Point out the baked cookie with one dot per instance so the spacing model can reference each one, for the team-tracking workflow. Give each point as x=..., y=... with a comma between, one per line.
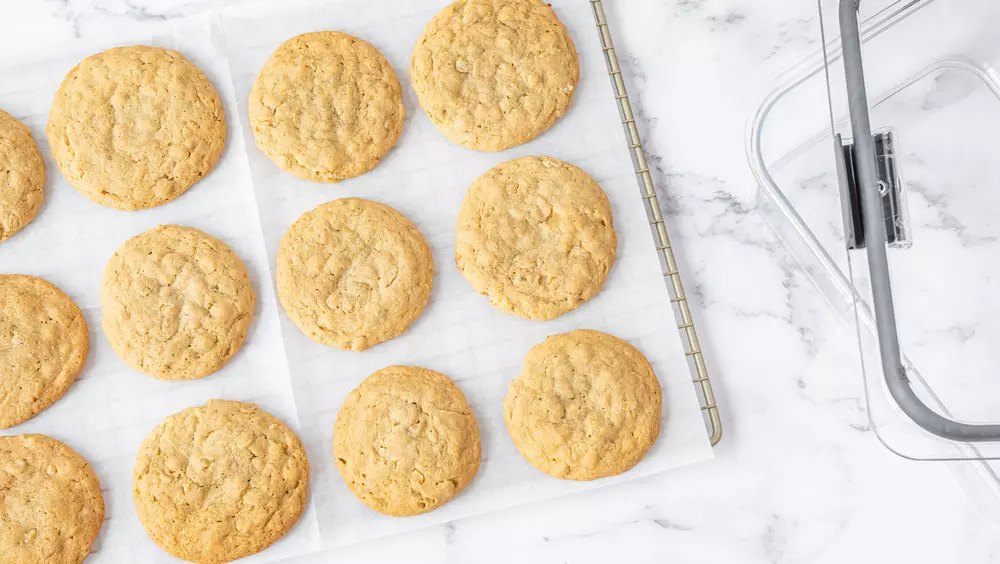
x=43, y=346
x=406, y=441
x=353, y=273
x=52, y=506
x=134, y=127
x=220, y=481
x=536, y=235
x=493, y=74
x=586, y=406
x=176, y=303
x=327, y=106
x=22, y=176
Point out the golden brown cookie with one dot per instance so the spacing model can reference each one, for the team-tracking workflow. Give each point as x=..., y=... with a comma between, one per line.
x=176, y=303
x=220, y=481
x=586, y=406
x=22, y=176
x=353, y=273
x=493, y=74
x=52, y=506
x=536, y=235
x=327, y=106
x=43, y=346
x=406, y=441
x=134, y=127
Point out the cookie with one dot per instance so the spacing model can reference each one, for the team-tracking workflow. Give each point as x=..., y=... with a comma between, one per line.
x=176, y=303
x=52, y=506
x=43, y=346
x=220, y=481
x=586, y=406
x=326, y=106
x=493, y=74
x=22, y=176
x=134, y=127
x=406, y=441
x=353, y=273
x=536, y=235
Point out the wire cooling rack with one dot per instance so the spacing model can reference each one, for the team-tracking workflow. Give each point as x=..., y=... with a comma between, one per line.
x=682, y=311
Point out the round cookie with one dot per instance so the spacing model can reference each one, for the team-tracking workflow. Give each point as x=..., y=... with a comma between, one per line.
x=586, y=406
x=22, y=176
x=353, y=273
x=134, y=127
x=52, y=506
x=406, y=441
x=43, y=346
x=536, y=235
x=327, y=106
x=493, y=74
x=218, y=482
x=176, y=303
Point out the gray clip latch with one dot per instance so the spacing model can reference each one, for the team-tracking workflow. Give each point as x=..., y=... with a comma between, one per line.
x=890, y=186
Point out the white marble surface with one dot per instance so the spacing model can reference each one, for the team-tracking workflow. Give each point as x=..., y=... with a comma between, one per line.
x=798, y=477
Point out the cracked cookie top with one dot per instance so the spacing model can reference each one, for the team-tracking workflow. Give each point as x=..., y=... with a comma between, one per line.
x=493, y=74
x=327, y=106
x=52, y=505
x=220, y=481
x=587, y=405
x=406, y=441
x=22, y=176
x=176, y=303
x=43, y=346
x=353, y=273
x=536, y=235
x=134, y=127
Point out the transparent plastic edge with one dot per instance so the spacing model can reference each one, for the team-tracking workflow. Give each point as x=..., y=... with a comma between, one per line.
x=789, y=227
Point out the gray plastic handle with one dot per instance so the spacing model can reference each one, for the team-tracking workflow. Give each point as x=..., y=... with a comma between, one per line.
x=871, y=206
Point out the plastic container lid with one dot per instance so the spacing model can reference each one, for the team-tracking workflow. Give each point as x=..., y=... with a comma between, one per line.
x=917, y=276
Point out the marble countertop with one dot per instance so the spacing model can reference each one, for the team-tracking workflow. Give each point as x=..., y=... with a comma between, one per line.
x=799, y=475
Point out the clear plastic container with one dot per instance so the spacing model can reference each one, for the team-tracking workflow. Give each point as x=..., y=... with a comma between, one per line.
x=933, y=98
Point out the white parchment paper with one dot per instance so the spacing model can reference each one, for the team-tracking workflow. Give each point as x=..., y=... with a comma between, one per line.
x=460, y=334
x=248, y=203
x=108, y=412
